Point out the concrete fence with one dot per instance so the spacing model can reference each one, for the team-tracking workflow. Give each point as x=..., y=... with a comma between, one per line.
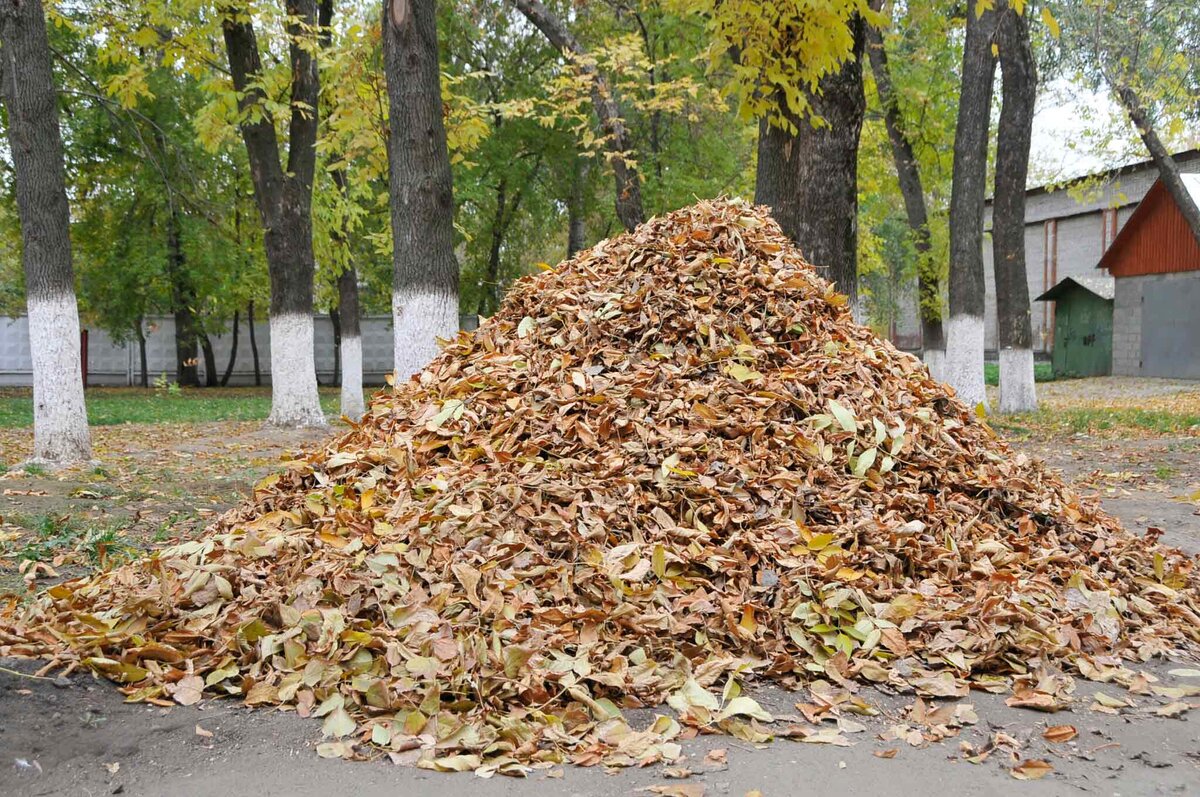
x=112, y=363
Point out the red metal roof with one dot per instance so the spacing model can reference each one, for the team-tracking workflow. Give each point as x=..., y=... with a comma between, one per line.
x=1156, y=239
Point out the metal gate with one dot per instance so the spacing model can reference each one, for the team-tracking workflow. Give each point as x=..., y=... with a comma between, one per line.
x=1171, y=328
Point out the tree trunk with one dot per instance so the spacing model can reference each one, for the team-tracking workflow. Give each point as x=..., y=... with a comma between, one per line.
x=1018, y=90
x=284, y=200
x=346, y=324
x=352, y=404
x=60, y=430
x=506, y=211
x=929, y=294
x=253, y=343
x=141, y=336
x=965, y=332
x=183, y=299
x=576, y=232
x=210, y=361
x=489, y=290
x=1168, y=169
x=335, y=320
x=233, y=346
x=425, y=272
x=810, y=178
x=620, y=144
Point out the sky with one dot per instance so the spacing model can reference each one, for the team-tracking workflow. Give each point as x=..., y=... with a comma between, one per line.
x=1077, y=131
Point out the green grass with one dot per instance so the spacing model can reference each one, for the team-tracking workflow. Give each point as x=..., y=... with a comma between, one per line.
x=1092, y=421
x=1042, y=372
x=112, y=406
x=55, y=535
x=1164, y=472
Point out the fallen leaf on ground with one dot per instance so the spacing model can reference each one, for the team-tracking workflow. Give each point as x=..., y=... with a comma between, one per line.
x=1060, y=733
x=1033, y=769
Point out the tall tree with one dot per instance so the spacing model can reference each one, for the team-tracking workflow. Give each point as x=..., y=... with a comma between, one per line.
x=796, y=69
x=1018, y=91
x=346, y=319
x=908, y=172
x=1143, y=51
x=620, y=147
x=60, y=430
x=807, y=171
x=425, y=271
x=965, y=332
x=284, y=199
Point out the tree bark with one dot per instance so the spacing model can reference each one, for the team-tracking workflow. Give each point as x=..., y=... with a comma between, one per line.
x=620, y=144
x=506, y=211
x=233, y=347
x=183, y=299
x=425, y=271
x=350, y=345
x=60, y=430
x=965, y=333
x=576, y=231
x=1168, y=169
x=210, y=360
x=141, y=338
x=336, y=322
x=253, y=343
x=347, y=334
x=929, y=294
x=284, y=200
x=488, y=291
x=1018, y=89
x=810, y=178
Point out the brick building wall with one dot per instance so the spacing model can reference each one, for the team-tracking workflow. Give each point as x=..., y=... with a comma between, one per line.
x=1066, y=232
x=1127, y=326
x=1173, y=296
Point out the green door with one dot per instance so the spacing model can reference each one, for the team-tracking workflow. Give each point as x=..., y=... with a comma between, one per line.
x=1083, y=335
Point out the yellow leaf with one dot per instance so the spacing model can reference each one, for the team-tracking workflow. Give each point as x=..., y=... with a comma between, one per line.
x=1050, y=22
x=820, y=541
x=742, y=373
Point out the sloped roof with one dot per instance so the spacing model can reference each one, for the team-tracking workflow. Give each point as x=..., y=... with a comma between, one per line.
x=1104, y=287
x=1143, y=214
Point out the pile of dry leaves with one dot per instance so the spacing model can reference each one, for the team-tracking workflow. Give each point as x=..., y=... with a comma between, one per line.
x=667, y=466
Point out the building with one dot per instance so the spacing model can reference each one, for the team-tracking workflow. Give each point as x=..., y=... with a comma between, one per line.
x=1068, y=229
x=1083, y=325
x=1155, y=264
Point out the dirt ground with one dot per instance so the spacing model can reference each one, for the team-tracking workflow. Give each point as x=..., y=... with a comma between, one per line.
x=159, y=483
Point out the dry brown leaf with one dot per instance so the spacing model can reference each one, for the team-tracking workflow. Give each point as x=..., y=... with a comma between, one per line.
x=1060, y=733
x=1032, y=769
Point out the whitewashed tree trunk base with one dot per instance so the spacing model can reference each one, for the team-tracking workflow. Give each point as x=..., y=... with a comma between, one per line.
x=60, y=429
x=419, y=318
x=352, y=378
x=294, y=397
x=935, y=361
x=1017, y=390
x=963, y=369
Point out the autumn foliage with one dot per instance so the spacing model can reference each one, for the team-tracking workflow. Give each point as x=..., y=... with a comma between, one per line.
x=667, y=467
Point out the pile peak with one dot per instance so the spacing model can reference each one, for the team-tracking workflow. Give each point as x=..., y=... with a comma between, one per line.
x=670, y=465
